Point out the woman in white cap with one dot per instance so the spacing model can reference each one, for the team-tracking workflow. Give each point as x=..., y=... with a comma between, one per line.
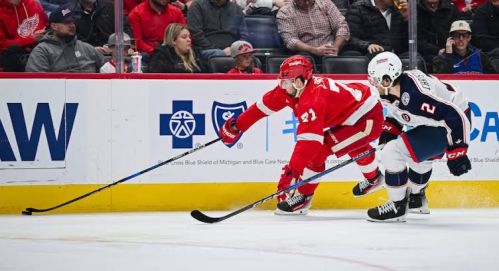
x=243, y=52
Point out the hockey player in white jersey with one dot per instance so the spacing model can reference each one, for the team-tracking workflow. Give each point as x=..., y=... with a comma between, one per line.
x=439, y=121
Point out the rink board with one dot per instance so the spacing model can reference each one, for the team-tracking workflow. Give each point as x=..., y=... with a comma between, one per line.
x=64, y=135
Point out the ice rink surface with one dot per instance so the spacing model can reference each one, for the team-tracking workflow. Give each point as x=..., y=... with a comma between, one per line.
x=447, y=239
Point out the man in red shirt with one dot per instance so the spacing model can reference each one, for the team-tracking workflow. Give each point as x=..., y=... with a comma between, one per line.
x=334, y=118
x=149, y=20
x=22, y=25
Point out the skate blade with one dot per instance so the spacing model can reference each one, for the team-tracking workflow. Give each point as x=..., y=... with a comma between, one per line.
x=419, y=211
x=295, y=213
x=391, y=220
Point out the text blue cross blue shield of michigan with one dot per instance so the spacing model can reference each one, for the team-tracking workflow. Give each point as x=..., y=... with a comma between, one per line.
x=182, y=124
x=221, y=112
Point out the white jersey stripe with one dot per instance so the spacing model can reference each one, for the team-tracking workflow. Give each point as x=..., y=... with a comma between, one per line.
x=310, y=137
x=260, y=105
x=356, y=137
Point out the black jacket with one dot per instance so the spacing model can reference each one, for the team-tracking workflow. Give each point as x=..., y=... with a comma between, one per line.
x=96, y=26
x=368, y=26
x=214, y=26
x=433, y=28
x=485, y=27
x=164, y=59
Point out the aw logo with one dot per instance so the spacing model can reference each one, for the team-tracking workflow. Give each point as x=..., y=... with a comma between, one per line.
x=28, y=142
x=182, y=124
x=221, y=112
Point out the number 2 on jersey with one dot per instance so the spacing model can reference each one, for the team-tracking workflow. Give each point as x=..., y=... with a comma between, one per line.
x=428, y=108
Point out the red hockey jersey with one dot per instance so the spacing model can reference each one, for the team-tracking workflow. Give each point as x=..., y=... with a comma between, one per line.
x=323, y=103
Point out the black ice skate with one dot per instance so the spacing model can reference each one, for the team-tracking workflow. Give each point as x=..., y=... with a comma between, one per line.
x=392, y=211
x=369, y=186
x=418, y=204
x=297, y=204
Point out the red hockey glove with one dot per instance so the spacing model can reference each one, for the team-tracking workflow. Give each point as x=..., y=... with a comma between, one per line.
x=289, y=177
x=229, y=133
x=457, y=160
x=391, y=130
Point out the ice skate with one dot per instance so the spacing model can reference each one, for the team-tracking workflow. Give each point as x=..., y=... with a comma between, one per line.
x=297, y=204
x=418, y=204
x=369, y=186
x=392, y=211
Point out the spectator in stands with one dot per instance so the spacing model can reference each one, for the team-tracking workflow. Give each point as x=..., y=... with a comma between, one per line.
x=110, y=66
x=434, y=20
x=376, y=26
x=215, y=25
x=128, y=5
x=485, y=27
x=22, y=25
x=176, y=54
x=51, y=5
x=243, y=52
x=313, y=26
x=95, y=22
x=466, y=8
x=261, y=7
x=60, y=50
x=149, y=20
x=459, y=56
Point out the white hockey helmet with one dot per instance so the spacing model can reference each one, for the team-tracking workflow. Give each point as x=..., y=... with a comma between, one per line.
x=385, y=64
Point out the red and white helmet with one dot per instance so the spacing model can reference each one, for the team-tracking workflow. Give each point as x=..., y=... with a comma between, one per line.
x=295, y=66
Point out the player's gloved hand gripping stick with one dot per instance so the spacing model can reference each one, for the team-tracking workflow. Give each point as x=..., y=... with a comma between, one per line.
x=30, y=210
x=208, y=219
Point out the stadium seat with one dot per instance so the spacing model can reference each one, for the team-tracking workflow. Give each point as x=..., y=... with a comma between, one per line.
x=262, y=31
x=222, y=64
x=344, y=64
x=274, y=62
x=495, y=64
x=420, y=63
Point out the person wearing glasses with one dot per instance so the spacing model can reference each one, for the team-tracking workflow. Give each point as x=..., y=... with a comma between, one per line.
x=459, y=56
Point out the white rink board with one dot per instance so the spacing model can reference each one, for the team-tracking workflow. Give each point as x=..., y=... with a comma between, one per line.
x=116, y=132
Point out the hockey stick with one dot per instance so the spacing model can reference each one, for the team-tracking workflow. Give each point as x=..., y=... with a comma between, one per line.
x=30, y=210
x=198, y=215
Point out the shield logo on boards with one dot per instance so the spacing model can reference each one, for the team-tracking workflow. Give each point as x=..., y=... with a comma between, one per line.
x=221, y=112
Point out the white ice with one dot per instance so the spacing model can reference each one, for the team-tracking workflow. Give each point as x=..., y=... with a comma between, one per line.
x=447, y=239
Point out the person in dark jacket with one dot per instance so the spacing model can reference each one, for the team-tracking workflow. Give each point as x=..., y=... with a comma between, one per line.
x=434, y=20
x=369, y=30
x=215, y=25
x=175, y=54
x=94, y=21
x=485, y=27
x=459, y=56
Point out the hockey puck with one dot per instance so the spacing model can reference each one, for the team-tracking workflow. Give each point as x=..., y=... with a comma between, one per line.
x=26, y=212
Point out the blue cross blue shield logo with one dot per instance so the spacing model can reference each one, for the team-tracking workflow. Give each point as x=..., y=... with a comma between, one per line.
x=221, y=112
x=182, y=124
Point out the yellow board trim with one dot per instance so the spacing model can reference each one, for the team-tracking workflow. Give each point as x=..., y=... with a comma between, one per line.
x=226, y=196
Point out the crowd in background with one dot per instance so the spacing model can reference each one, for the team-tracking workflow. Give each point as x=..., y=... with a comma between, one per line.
x=184, y=36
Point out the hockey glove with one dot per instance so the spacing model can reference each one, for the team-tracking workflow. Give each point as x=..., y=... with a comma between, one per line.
x=229, y=132
x=289, y=177
x=391, y=130
x=457, y=160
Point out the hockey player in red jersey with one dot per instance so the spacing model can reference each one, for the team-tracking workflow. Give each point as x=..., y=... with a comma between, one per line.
x=334, y=118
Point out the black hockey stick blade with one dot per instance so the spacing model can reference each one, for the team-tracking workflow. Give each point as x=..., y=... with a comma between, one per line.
x=31, y=210
x=198, y=215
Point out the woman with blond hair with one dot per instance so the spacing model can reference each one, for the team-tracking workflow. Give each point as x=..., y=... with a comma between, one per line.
x=175, y=54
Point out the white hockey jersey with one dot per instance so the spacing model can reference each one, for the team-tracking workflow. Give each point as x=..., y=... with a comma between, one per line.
x=425, y=100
